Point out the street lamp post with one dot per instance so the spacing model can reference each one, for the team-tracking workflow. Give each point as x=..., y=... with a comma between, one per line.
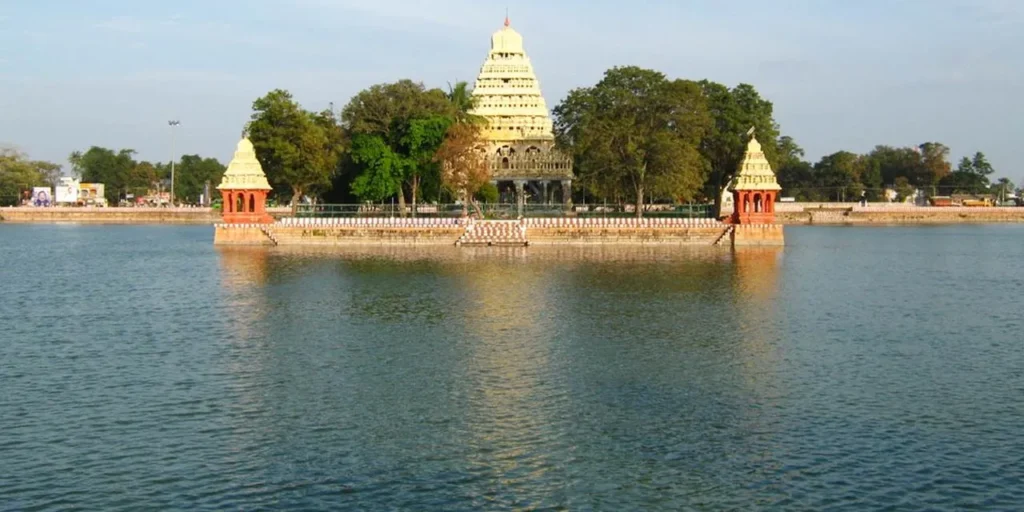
x=172, y=124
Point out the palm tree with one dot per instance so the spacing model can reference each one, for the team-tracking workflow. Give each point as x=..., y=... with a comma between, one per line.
x=464, y=102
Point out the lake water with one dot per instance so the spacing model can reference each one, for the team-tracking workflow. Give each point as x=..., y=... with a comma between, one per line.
x=859, y=368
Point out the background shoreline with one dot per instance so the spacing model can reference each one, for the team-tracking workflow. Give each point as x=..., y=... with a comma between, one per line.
x=818, y=215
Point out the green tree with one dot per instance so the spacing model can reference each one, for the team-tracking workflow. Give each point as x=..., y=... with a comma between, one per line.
x=965, y=166
x=980, y=165
x=788, y=151
x=463, y=102
x=404, y=116
x=796, y=176
x=904, y=189
x=420, y=142
x=963, y=182
x=934, y=165
x=892, y=163
x=839, y=174
x=488, y=193
x=18, y=173
x=299, y=150
x=636, y=133
x=870, y=177
x=382, y=171
x=192, y=174
x=733, y=112
x=140, y=179
x=799, y=180
x=1002, y=188
x=103, y=165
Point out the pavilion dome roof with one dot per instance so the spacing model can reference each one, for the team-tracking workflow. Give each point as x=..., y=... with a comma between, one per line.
x=755, y=173
x=244, y=172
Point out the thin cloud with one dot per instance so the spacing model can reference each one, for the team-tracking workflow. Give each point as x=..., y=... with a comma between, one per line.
x=181, y=28
x=122, y=24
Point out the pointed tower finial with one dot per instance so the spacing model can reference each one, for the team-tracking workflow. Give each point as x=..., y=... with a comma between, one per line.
x=506, y=17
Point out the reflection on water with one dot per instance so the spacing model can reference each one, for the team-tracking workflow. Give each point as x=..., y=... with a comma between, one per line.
x=243, y=268
x=174, y=375
x=756, y=299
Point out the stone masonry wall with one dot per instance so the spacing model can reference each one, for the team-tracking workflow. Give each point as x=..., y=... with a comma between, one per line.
x=902, y=215
x=234, y=234
x=758, y=235
x=340, y=236
x=624, y=235
x=92, y=215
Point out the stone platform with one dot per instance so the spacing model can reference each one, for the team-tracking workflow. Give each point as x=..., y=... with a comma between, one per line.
x=533, y=231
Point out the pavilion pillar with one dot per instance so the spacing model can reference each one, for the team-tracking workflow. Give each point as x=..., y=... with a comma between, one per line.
x=520, y=196
x=567, y=194
x=544, y=186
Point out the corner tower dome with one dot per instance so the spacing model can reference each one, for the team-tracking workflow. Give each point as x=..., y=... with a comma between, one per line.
x=755, y=173
x=244, y=172
x=508, y=95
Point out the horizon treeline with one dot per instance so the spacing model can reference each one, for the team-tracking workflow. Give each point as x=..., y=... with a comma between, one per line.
x=636, y=137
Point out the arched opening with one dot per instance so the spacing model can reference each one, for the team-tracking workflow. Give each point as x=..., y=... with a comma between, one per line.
x=504, y=163
x=240, y=204
x=229, y=203
x=758, y=203
x=746, y=203
x=252, y=203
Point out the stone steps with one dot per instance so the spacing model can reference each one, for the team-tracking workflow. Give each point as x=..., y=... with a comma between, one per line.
x=725, y=235
x=494, y=233
x=270, y=233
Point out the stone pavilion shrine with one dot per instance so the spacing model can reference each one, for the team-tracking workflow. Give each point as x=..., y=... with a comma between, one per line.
x=244, y=188
x=524, y=162
x=754, y=189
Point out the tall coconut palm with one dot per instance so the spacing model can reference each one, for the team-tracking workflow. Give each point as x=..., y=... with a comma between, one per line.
x=464, y=102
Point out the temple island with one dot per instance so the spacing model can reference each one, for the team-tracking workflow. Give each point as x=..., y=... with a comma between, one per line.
x=524, y=164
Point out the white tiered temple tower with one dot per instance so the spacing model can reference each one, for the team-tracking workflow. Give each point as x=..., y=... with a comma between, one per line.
x=519, y=127
x=507, y=92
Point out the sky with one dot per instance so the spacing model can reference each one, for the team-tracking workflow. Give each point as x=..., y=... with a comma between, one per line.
x=842, y=74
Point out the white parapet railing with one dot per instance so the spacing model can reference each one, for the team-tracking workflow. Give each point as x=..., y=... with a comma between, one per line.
x=621, y=222
x=366, y=222
x=134, y=209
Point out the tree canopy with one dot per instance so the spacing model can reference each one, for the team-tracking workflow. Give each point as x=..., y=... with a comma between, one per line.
x=298, y=149
x=114, y=169
x=464, y=168
x=733, y=112
x=635, y=136
x=636, y=133
x=192, y=172
x=843, y=175
x=18, y=173
x=395, y=129
x=121, y=174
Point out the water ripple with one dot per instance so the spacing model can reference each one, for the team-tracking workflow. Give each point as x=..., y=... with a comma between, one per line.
x=144, y=369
